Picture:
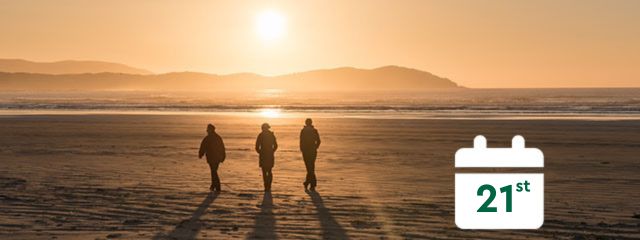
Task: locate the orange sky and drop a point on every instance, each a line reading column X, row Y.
column 475, row 43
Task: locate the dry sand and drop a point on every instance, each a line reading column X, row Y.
column 138, row 177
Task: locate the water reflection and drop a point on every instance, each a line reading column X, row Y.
column 270, row 112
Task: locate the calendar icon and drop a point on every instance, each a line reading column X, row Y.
column 499, row 200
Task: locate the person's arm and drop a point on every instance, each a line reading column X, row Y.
column 203, row 148
column 224, row 151
column 317, row 139
column 301, row 131
column 275, row 143
column 258, row 143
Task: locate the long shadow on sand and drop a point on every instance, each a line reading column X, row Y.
column 265, row 222
column 188, row 229
column 331, row 229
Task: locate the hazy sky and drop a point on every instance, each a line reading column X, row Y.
column 474, row 43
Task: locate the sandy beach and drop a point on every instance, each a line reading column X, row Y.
column 138, row 177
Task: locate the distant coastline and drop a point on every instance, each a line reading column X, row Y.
column 91, row 76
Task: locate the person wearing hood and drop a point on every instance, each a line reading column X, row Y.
column 266, row 146
column 213, row 147
column 309, row 144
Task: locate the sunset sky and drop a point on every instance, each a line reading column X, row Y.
column 475, row 43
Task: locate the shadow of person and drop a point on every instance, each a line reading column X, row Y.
column 265, row 225
column 188, row 229
column 331, row 229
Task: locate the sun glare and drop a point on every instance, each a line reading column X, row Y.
column 270, row 25
column 270, row 112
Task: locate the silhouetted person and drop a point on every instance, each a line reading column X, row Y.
column 213, row 147
column 266, row 146
column 309, row 144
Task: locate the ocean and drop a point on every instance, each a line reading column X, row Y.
column 592, row 103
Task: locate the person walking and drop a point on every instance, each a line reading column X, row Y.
column 213, row 147
column 309, row 144
column 266, row 146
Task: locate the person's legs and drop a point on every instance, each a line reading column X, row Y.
column 270, row 178
column 312, row 170
column 306, row 165
column 267, row 177
column 215, row 179
column 264, row 177
column 310, row 164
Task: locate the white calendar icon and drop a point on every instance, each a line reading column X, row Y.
column 499, row 200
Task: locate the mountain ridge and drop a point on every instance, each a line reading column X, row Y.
column 385, row 78
column 67, row 67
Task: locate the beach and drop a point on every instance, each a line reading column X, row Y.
column 137, row 176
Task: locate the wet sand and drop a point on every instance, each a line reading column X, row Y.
column 138, row 176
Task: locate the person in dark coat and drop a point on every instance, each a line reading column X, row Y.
column 309, row 144
column 266, row 146
column 213, row 147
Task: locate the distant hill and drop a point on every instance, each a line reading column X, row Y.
column 66, row 67
column 383, row 78
column 390, row 78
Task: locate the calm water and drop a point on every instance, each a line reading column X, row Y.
column 462, row 103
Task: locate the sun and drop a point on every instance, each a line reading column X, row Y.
column 270, row 25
